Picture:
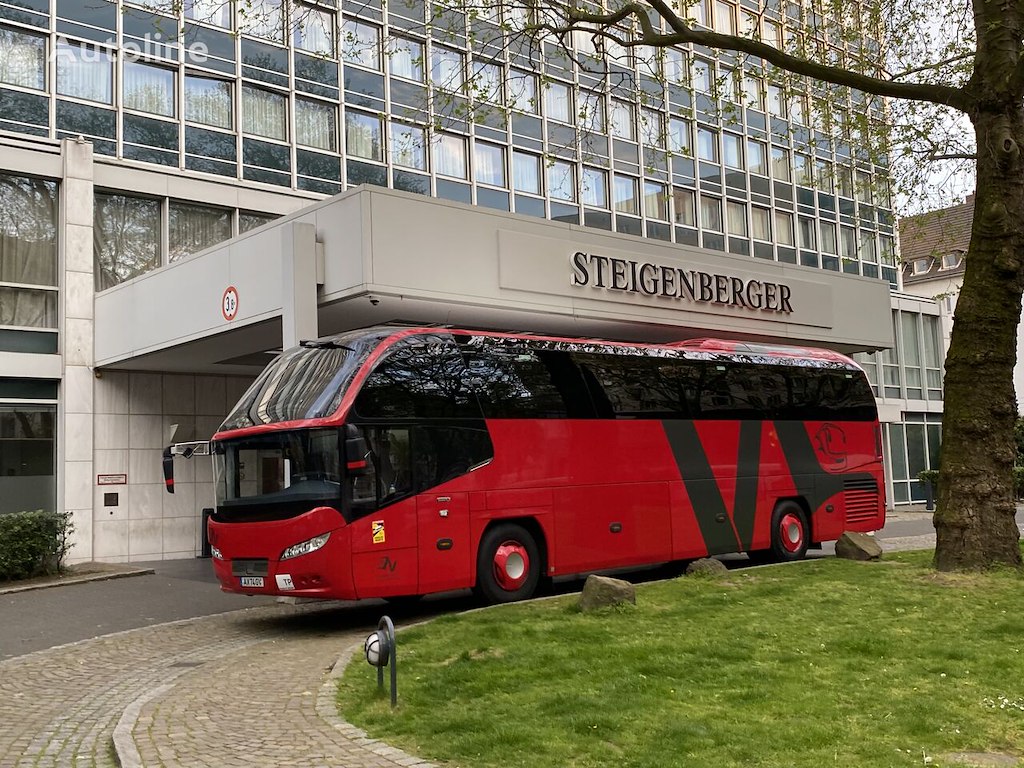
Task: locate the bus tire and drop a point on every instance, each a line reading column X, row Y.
column 508, row 564
column 790, row 532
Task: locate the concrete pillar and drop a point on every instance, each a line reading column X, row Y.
column 298, row 284
column 76, row 481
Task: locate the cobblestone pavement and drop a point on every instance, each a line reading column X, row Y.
column 250, row 688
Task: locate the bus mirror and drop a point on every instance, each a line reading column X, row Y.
column 357, row 456
column 169, row 469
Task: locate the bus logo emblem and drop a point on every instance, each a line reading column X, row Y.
column 377, row 529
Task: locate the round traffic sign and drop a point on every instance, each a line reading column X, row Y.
column 229, row 303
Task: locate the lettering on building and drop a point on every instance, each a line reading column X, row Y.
column 647, row 279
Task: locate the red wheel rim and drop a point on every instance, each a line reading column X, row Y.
column 791, row 532
column 511, row 565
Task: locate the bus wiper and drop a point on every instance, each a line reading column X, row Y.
column 324, row 344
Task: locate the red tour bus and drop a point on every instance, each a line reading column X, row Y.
column 402, row 461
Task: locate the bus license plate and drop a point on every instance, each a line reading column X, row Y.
column 252, row 581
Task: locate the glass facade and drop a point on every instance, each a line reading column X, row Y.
column 27, row 442
column 321, row 97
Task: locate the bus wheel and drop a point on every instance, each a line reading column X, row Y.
column 790, row 532
column 508, row 564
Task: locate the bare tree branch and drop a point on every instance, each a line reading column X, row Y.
column 682, row 32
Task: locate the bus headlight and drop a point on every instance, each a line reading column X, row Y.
column 305, row 547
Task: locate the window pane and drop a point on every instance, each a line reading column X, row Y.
column 489, row 164
column 784, row 228
column 652, row 128
column 592, row 116
column 558, row 102
column 737, row 213
column 405, row 59
column 28, row 235
column 756, row 160
column 655, row 201
column 316, row 124
column 522, row 91
column 828, row 237
column 450, row 156
column 314, row 30
column 683, row 200
column 408, row 144
column 780, row 164
column 217, row 12
column 248, row 220
column 264, row 113
column 595, row 187
column 192, row 228
column 526, row 172
column 707, row 145
column 126, row 238
column 28, row 308
column 626, row 195
column 701, row 75
column 761, row 227
column 27, row 466
column 22, row 59
column 622, row 120
column 711, row 213
column 561, row 181
column 148, row 89
column 262, row 18
column 363, row 136
column 807, row 238
column 776, row 101
column 679, row 135
column 84, row 72
column 360, row 44
column 732, row 150
column 487, row 83
column 208, row 101
column 446, row 68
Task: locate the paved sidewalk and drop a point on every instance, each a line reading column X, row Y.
column 250, row 688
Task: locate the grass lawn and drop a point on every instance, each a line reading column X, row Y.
column 826, row 662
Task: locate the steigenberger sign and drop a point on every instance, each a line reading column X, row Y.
column 645, row 278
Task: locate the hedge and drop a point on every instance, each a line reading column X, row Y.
column 33, row 543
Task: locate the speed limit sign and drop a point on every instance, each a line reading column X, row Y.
column 229, row 303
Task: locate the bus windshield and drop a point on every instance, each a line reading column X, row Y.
column 273, row 469
column 305, row 382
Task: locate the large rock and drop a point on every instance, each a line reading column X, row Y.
column 858, row 546
column 707, row 567
column 601, row 591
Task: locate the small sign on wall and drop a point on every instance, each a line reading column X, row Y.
column 120, row 479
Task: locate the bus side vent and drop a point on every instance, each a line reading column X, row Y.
column 861, row 497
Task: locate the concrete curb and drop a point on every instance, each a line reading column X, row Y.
column 125, row 751
column 83, row 579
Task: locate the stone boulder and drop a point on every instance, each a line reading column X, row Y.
column 707, row 567
column 602, row 591
column 858, row 546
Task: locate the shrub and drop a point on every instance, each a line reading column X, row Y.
column 929, row 476
column 33, row 543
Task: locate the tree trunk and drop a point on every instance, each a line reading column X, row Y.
column 974, row 519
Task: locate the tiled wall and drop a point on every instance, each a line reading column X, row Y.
column 132, row 422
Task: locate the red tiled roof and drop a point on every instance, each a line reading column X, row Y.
column 936, row 233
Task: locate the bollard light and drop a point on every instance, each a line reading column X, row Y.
column 379, row 648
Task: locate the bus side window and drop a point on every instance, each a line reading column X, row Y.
column 443, row 453
column 390, row 477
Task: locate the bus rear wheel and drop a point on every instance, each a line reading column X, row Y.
column 790, row 532
column 508, row 564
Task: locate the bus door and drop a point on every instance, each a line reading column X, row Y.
column 383, row 535
column 444, row 547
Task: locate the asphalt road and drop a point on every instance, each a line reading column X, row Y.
column 182, row 589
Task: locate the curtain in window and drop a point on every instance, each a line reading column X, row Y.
column 405, row 59
column 28, row 308
column 22, row 59
column 489, row 160
column 192, row 228
column 625, row 195
column 208, row 101
column 360, row 44
column 28, row 231
column 407, row 143
column 522, row 91
column 595, row 187
column 126, row 238
column 264, row 113
column 526, row 172
column 148, row 89
column 363, row 136
column 450, row 156
column 84, row 72
column 314, row 30
column 262, row 18
column 446, row 69
column 316, row 124
column 216, row 12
